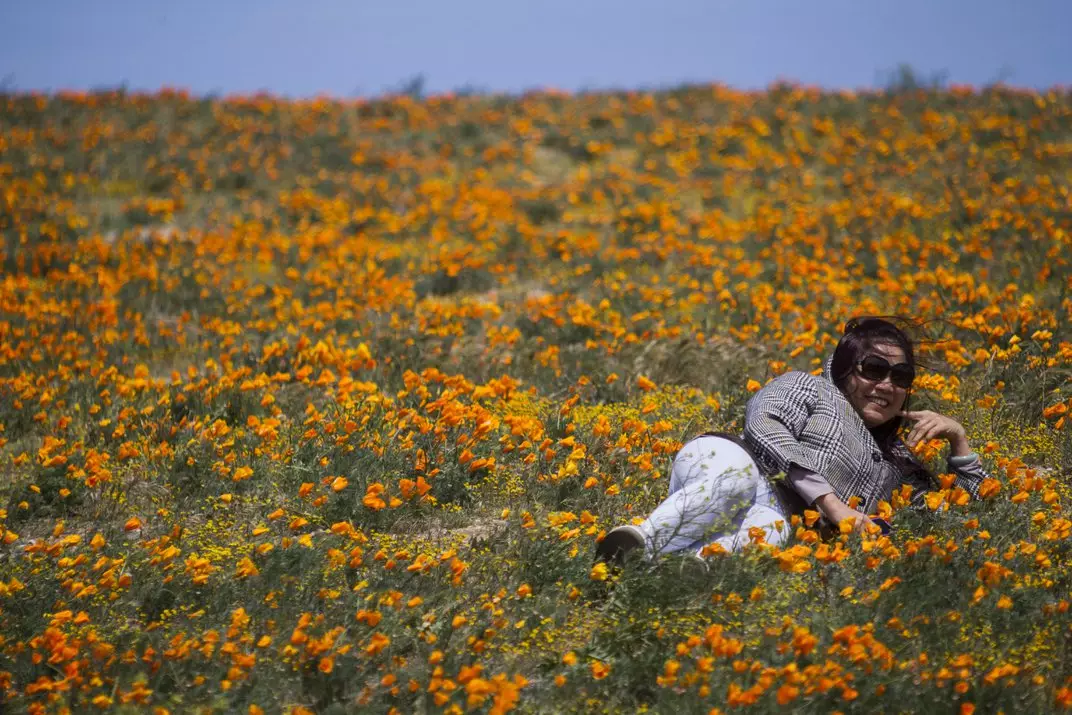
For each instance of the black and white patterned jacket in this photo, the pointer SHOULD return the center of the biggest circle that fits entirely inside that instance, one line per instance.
(799, 418)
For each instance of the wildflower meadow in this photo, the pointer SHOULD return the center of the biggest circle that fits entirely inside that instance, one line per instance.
(321, 406)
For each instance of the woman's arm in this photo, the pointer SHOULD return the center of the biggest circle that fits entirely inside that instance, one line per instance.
(837, 511)
(962, 461)
(817, 492)
(809, 485)
(913, 473)
(775, 418)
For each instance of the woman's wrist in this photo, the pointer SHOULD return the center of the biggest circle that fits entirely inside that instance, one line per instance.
(959, 447)
(831, 507)
(836, 511)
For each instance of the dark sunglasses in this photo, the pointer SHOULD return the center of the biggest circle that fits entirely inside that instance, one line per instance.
(875, 369)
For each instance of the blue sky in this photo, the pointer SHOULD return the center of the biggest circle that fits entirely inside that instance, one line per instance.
(348, 48)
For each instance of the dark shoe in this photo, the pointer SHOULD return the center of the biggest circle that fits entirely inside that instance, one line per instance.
(618, 542)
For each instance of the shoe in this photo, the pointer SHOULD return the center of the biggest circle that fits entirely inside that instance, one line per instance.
(618, 542)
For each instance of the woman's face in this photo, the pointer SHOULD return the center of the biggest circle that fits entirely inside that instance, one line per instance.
(877, 402)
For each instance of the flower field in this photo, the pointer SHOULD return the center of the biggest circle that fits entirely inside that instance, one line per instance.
(321, 406)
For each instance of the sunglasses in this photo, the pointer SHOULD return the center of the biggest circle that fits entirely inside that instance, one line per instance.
(876, 369)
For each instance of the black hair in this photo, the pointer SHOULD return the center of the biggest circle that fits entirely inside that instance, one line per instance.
(860, 335)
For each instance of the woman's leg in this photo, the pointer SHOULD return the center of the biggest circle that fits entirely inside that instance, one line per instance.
(713, 484)
(766, 513)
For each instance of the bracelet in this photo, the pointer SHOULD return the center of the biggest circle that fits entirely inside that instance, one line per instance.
(963, 460)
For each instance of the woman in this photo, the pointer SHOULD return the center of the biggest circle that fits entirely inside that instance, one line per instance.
(834, 437)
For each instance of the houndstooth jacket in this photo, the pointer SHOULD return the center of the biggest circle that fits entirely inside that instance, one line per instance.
(802, 419)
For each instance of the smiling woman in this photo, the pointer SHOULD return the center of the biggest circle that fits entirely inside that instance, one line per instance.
(879, 384)
(836, 439)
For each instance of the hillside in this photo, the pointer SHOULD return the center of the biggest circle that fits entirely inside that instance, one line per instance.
(311, 405)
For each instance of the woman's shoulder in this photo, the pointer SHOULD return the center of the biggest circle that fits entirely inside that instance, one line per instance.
(797, 387)
(798, 379)
(792, 387)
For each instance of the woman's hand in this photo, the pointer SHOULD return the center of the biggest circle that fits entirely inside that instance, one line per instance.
(837, 511)
(931, 425)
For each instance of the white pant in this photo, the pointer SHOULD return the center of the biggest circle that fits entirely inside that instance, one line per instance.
(717, 494)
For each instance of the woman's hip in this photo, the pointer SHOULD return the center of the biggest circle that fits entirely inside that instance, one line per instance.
(717, 457)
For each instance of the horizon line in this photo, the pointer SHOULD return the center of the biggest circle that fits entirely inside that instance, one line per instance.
(465, 91)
